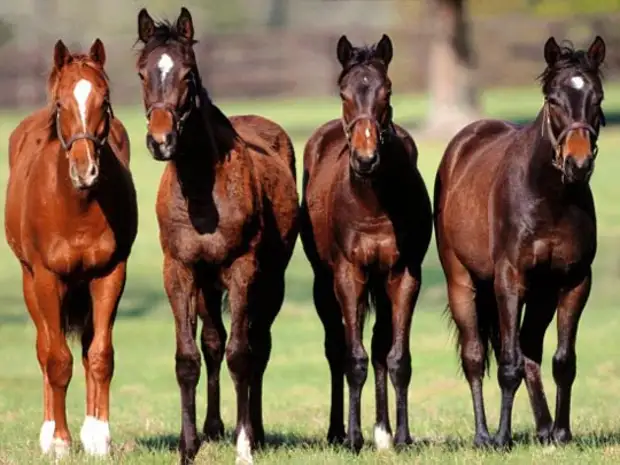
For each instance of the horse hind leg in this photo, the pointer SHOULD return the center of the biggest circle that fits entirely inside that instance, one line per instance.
(462, 300)
(539, 310)
(331, 317)
(213, 341)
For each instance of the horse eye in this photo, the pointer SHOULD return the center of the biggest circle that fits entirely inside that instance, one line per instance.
(141, 76)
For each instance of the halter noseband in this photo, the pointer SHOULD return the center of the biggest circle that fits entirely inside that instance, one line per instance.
(384, 132)
(556, 142)
(178, 120)
(99, 142)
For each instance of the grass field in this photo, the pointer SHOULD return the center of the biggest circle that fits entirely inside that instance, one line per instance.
(145, 413)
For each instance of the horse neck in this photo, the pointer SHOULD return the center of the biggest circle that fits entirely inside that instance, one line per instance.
(542, 176)
(375, 193)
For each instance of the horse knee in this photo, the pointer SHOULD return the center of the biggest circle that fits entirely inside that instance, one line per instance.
(473, 360)
(59, 367)
(358, 367)
(101, 363)
(399, 366)
(564, 366)
(188, 367)
(238, 357)
(510, 374)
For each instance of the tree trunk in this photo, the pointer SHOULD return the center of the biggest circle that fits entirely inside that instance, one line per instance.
(453, 96)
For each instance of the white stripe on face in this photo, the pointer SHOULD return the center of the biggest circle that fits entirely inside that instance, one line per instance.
(81, 92)
(577, 82)
(165, 64)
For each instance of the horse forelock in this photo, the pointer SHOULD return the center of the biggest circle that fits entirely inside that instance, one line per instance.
(570, 60)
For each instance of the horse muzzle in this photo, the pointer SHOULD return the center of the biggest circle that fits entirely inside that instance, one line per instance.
(162, 147)
(578, 169)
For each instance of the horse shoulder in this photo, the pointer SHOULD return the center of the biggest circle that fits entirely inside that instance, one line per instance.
(31, 128)
(119, 139)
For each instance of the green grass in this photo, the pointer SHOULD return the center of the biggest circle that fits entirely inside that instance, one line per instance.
(145, 413)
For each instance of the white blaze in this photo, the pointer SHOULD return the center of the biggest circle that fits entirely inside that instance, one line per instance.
(165, 64)
(81, 92)
(367, 133)
(577, 82)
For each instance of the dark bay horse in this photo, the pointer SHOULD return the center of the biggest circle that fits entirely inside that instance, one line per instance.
(366, 225)
(227, 209)
(515, 224)
(71, 220)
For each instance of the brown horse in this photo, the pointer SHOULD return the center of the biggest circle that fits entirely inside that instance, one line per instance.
(71, 220)
(366, 226)
(515, 225)
(227, 209)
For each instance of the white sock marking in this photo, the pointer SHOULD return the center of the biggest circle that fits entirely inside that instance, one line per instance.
(577, 82)
(46, 436)
(165, 64)
(95, 436)
(244, 449)
(383, 439)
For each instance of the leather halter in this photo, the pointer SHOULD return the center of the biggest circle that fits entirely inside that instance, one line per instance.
(384, 132)
(98, 141)
(557, 141)
(179, 119)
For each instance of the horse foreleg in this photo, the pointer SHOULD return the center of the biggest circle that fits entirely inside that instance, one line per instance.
(46, 434)
(105, 294)
(382, 338)
(570, 306)
(509, 289)
(55, 358)
(180, 284)
(350, 283)
(238, 356)
(403, 290)
(539, 311)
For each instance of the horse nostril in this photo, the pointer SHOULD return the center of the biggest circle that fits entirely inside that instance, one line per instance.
(169, 139)
(93, 171)
(73, 171)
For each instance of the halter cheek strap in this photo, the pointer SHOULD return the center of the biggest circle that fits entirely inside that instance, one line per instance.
(557, 142)
(178, 120)
(98, 141)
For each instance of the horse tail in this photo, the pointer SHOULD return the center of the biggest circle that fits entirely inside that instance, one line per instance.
(77, 311)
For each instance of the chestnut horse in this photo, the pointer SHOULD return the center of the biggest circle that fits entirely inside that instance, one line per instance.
(71, 220)
(515, 225)
(227, 208)
(366, 226)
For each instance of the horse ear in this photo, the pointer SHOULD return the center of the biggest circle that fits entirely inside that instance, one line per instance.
(384, 50)
(61, 54)
(552, 51)
(596, 52)
(344, 50)
(146, 25)
(185, 25)
(97, 52)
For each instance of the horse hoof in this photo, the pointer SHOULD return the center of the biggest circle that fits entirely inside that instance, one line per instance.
(336, 436)
(95, 436)
(503, 442)
(213, 430)
(562, 436)
(60, 448)
(354, 442)
(383, 438)
(483, 441)
(244, 449)
(402, 440)
(544, 436)
(188, 450)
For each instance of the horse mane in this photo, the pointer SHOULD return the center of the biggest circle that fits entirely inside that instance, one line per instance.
(364, 55)
(569, 59)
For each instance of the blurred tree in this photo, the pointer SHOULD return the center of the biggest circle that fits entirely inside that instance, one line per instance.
(6, 31)
(454, 100)
(278, 14)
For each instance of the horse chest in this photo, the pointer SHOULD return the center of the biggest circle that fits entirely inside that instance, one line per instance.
(80, 251)
(369, 246)
(563, 247)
